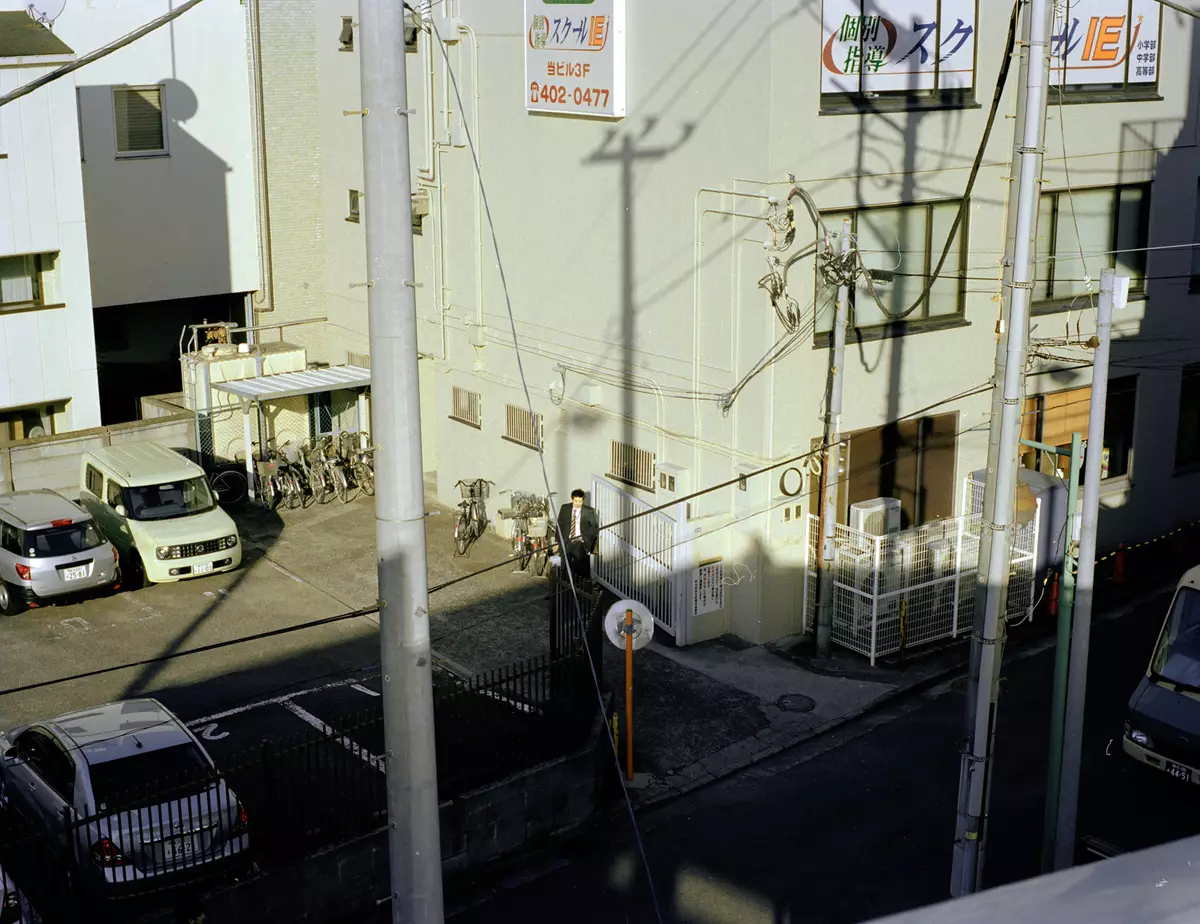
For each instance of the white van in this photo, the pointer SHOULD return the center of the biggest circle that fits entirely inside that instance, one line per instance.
(157, 509)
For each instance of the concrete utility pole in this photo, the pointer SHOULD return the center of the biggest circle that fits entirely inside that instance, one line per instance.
(414, 837)
(1113, 293)
(988, 642)
(830, 469)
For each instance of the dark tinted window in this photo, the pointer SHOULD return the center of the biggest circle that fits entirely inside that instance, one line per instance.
(10, 538)
(62, 540)
(164, 501)
(94, 481)
(145, 775)
(1178, 656)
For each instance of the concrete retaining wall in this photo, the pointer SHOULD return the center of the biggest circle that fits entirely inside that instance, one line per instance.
(479, 827)
(53, 461)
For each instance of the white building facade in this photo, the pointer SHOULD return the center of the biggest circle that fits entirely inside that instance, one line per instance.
(47, 347)
(639, 212)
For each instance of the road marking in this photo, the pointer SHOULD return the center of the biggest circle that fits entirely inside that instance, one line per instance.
(284, 571)
(275, 700)
(78, 623)
(151, 612)
(209, 732)
(354, 748)
(362, 689)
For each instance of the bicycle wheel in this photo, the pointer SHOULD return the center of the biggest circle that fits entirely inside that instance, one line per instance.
(539, 562)
(365, 478)
(342, 484)
(292, 490)
(462, 536)
(229, 486)
(307, 494)
(322, 485)
(270, 492)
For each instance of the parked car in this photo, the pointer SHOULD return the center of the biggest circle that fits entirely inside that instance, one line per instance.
(125, 794)
(50, 549)
(158, 510)
(1163, 726)
(14, 906)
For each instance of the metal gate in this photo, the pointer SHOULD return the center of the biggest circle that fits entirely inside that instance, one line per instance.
(645, 555)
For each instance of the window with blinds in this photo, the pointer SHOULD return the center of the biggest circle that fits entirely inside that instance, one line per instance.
(522, 427)
(631, 465)
(1054, 417)
(466, 407)
(139, 120)
(20, 282)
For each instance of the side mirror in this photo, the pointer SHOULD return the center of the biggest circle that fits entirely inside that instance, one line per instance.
(120, 510)
(10, 754)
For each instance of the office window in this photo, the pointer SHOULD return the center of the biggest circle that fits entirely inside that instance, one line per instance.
(900, 245)
(1109, 225)
(466, 407)
(20, 282)
(1052, 418)
(921, 55)
(346, 36)
(521, 427)
(631, 465)
(1107, 52)
(141, 128)
(912, 460)
(353, 212)
(1187, 436)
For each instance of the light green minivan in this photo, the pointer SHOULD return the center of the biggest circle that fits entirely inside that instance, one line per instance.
(156, 507)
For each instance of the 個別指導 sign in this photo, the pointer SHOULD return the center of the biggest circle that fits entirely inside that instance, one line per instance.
(575, 56)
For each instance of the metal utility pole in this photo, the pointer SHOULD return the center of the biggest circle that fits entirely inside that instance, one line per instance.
(1113, 292)
(830, 469)
(988, 642)
(1062, 654)
(414, 837)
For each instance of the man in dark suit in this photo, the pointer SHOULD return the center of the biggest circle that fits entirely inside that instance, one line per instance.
(580, 528)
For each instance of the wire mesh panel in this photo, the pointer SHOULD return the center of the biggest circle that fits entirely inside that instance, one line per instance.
(812, 565)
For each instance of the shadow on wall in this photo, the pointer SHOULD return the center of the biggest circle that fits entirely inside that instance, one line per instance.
(158, 236)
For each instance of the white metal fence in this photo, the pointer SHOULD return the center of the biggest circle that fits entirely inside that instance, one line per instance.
(916, 586)
(649, 558)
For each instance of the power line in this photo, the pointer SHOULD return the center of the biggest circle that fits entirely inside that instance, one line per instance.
(99, 53)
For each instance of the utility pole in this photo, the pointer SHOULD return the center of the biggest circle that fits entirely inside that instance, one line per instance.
(414, 837)
(1062, 654)
(830, 469)
(1113, 293)
(988, 640)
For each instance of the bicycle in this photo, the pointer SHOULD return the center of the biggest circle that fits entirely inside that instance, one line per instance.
(359, 455)
(334, 472)
(526, 512)
(472, 517)
(228, 485)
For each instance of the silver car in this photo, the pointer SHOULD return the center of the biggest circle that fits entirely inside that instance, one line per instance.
(50, 550)
(125, 794)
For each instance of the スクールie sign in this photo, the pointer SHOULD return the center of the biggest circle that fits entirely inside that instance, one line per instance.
(575, 56)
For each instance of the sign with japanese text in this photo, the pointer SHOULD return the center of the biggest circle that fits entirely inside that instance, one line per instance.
(1105, 43)
(911, 45)
(575, 56)
(708, 588)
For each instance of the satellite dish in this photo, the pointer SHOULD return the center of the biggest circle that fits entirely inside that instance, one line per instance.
(36, 432)
(46, 11)
(643, 624)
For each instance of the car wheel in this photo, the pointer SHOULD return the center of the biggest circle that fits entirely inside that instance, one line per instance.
(133, 573)
(10, 603)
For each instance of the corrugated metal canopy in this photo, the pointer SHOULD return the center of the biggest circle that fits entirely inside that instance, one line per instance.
(291, 384)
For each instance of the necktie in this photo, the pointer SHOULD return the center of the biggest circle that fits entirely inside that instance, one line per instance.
(575, 534)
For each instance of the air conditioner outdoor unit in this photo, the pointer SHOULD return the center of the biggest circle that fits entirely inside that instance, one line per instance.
(877, 517)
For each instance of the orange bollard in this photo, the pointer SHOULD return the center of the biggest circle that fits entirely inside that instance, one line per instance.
(1052, 606)
(629, 694)
(1119, 565)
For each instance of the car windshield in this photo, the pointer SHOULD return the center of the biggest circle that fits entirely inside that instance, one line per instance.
(163, 501)
(148, 775)
(62, 540)
(1177, 659)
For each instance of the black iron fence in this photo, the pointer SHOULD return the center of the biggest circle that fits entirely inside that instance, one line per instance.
(287, 797)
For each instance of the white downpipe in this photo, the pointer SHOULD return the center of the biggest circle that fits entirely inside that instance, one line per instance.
(470, 33)
(429, 171)
(264, 299)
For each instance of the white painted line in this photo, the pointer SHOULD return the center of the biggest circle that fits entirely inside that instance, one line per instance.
(356, 749)
(274, 700)
(284, 571)
(524, 707)
(78, 623)
(362, 689)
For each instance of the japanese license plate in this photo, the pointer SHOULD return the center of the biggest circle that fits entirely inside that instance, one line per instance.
(179, 848)
(1178, 771)
(74, 574)
(202, 568)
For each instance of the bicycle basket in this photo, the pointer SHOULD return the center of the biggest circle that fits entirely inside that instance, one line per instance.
(538, 527)
(266, 469)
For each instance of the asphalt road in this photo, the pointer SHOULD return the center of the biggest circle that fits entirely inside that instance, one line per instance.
(860, 824)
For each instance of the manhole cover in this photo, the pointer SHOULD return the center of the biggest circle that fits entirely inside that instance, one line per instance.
(796, 702)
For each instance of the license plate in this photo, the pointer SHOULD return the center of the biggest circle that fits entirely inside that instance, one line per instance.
(1179, 772)
(179, 849)
(74, 574)
(202, 568)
